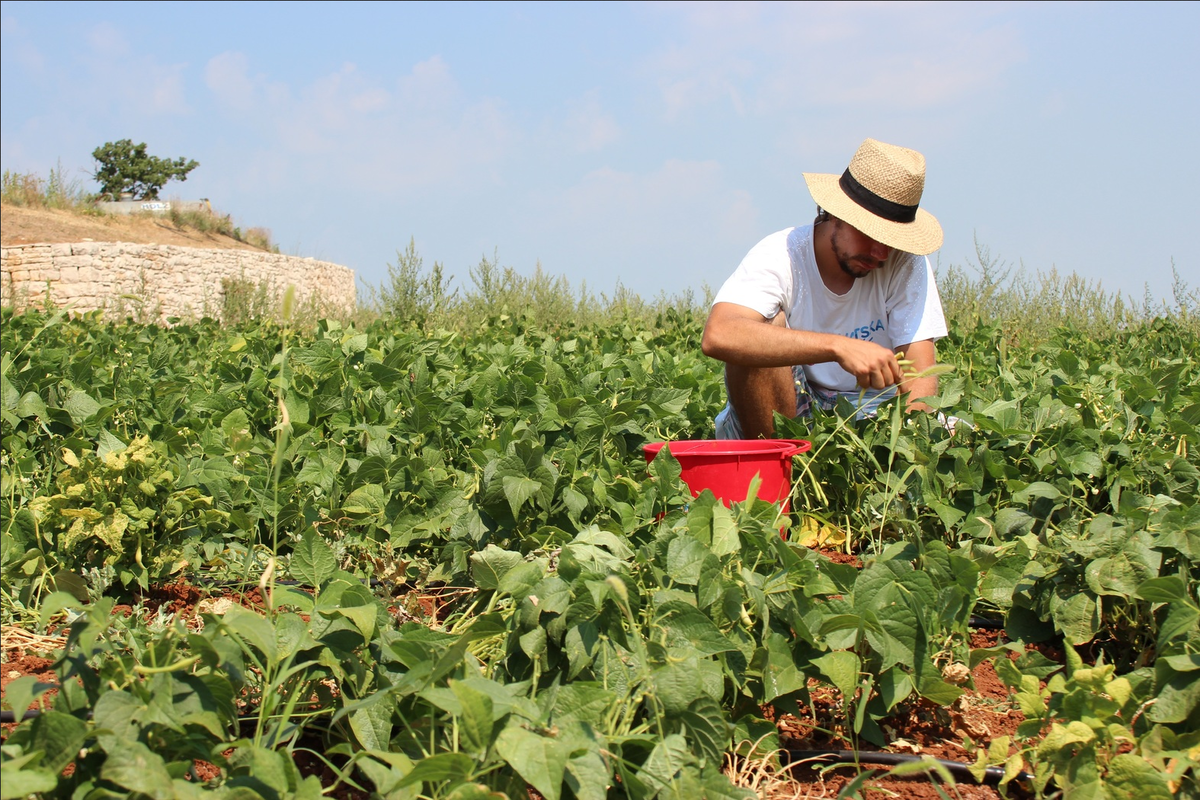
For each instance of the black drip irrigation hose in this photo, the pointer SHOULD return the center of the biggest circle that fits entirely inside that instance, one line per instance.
(992, 776)
(7, 716)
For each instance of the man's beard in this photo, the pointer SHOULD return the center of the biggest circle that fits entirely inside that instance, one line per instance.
(856, 266)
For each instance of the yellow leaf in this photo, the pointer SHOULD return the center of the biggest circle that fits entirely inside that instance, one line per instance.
(814, 533)
(86, 514)
(1012, 768)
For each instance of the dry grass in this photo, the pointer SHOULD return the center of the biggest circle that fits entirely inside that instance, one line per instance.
(14, 638)
(765, 774)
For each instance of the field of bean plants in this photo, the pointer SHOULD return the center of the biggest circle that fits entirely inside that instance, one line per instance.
(434, 562)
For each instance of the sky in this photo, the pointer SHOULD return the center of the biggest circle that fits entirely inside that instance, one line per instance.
(641, 145)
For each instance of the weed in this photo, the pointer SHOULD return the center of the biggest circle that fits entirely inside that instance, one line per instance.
(207, 221)
(30, 190)
(1031, 308)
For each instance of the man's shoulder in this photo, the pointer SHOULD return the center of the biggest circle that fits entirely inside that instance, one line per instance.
(786, 241)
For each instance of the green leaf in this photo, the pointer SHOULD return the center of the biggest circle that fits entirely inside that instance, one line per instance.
(1037, 489)
(1185, 662)
(1013, 522)
(369, 499)
(894, 685)
(1162, 590)
(359, 607)
(31, 405)
(726, 540)
(668, 757)
(216, 473)
(587, 774)
(475, 720)
(1000, 581)
(1131, 778)
(688, 629)
(475, 791)
(21, 693)
(108, 444)
(518, 490)
(440, 767)
(700, 517)
(539, 760)
(938, 691)
(313, 561)
(387, 775)
(1086, 463)
(253, 629)
(1178, 696)
(525, 576)
(1078, 618)
(59, 736)
(260, 768)
(533, 642)
(675, 685)
(707, 728)
(580, 644)
(780, 675)
(80, 406)
(841, 667)
(1180, 620)
(716, 786)
(236, 427)
(578, 702)
(491, 564)
(134, 767)
(685, 557)
(1115, 576)
(372, 722)
(21, 782)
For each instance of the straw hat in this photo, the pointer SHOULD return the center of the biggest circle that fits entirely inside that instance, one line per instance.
(879, 194)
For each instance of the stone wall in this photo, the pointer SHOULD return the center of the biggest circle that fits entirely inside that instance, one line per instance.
(155, 282)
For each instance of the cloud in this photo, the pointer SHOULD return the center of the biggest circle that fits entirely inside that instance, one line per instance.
(19, 47)
(639, 226)
(225, 76)
(135, 84)
(348, 127)
(106, 40)
(770, 58)
(588, 127)
(428, 86)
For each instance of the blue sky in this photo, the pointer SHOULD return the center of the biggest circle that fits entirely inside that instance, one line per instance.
(650, 144)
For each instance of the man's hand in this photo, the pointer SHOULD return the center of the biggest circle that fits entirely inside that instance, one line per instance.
(922, 355)
(739, 335)
(873, 366)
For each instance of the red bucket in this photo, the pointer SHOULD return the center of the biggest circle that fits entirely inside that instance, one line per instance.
(726, 466)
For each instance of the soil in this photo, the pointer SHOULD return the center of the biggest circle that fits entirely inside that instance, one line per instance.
(22, 225)
(922, 729)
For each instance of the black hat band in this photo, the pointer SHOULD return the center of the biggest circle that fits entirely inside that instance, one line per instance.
(879, 206)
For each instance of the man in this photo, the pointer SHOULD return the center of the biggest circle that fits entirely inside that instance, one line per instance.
(824, 311)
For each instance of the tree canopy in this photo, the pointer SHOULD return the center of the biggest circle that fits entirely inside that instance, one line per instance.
(126, 167)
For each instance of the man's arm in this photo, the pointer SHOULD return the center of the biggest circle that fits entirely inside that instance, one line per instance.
(740, 335)
(923, 355)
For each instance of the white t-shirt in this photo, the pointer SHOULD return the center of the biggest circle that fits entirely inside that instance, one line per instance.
(893, 305)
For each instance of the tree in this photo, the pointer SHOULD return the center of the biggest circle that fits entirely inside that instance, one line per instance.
(125, 167)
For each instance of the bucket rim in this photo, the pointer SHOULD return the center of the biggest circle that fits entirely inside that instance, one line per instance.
(730, 447)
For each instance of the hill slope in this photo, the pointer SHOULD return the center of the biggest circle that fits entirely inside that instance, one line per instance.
(21, 225)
